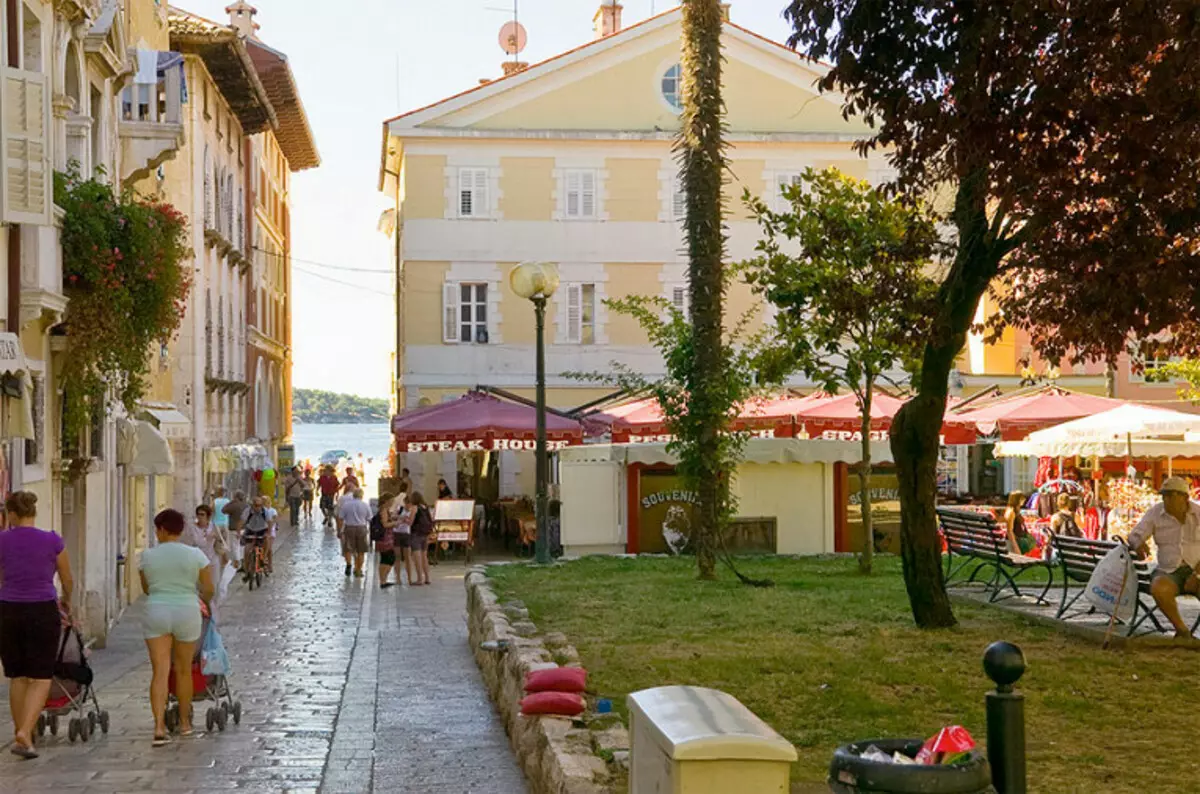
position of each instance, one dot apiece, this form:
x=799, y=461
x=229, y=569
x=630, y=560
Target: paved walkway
x=345, y=687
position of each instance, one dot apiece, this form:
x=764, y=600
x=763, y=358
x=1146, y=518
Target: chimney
x=608, y=19
x=241, y=19
x=512, y=67
x=725, y=11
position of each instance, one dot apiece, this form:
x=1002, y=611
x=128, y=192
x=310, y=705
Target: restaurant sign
x=667, y=438
x=479, y=445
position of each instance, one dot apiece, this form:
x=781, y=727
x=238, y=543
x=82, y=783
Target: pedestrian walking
x=329, y=486
x=30, y=622
x=220, y=517
x=172, y=574
x=422, y=528
x=355, y=518
x=310, y=489
x=293, y=491
x=386, y=545
x=205, y=535
x=236, y=512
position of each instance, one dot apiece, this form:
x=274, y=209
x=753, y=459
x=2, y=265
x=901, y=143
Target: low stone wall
x=585, y=755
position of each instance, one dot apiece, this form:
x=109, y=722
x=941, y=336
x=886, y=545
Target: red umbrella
x=1018, y=415
x=643, y=420
x=840, y=418
x=478, y=421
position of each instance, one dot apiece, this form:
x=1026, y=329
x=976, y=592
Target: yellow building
x=569, y=161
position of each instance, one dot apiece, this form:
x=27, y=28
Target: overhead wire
x=326, y=264
x=324, y=277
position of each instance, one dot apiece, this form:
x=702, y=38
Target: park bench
x=1078, y=558
x=975, y=539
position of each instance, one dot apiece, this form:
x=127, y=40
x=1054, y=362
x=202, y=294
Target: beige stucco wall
x=424, y=186
x=632, y=190
x=144, y=22
x=625, y=280
x=526, y=188
x=423, y=302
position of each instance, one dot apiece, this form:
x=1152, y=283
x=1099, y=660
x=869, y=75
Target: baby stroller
x=71, y=691
x=212, y=688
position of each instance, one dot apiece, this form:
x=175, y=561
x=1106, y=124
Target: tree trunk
x=916, y=429
x=867, y=557
x=701, y=153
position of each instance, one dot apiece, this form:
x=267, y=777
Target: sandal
x=160, y=741
x=23, y=751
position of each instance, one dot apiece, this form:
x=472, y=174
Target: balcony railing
x=152, y=121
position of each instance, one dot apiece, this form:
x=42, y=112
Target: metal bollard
x=1005, y=664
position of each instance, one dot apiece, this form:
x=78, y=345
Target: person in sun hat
x=1174, y=524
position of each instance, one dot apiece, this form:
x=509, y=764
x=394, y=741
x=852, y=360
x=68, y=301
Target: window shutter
x=574, y=313
x=450, y=312
x=679, y=200
x=679, y=300
x=573, y=189
x=24, y=152
x=587, y=189
x=482, y=205
x=466, y=194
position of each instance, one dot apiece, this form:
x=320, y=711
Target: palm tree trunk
x=866, y=559
x=701, y=153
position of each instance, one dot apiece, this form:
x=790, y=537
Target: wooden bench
x=976, y=539
x=1078, y=558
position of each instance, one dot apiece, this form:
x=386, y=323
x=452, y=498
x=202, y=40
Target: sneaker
x=348, y=570
x=386, y=585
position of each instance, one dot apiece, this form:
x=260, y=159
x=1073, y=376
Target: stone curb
x=557, y=754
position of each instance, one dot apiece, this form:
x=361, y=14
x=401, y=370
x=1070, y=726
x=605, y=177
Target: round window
x=672, y=87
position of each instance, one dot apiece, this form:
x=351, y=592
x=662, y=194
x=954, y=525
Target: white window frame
x=576, y=300
x=476, y=182
x=581, y=200
x=453, y=307
x=782, y=178
x=1150, y=365
x=664, y=74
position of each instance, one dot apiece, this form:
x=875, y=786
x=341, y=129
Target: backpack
x=422, y=522
x=376, y=528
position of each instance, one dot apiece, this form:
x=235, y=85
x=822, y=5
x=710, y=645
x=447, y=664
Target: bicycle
x=255, y=562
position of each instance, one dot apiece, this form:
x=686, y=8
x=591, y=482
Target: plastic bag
x=1113, y=586
x=213, y=658
x=947, y=746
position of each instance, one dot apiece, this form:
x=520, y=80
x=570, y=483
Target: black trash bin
x=850, y=773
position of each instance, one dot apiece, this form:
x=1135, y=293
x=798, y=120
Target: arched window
x=209, y=199
x=221, y=336
x=208, y=329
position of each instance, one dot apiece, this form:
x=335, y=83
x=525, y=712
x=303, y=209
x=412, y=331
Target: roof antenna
x=512, y=36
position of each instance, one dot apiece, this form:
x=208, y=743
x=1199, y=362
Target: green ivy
x=127, y=288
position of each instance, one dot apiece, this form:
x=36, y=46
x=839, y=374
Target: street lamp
x=537, y=281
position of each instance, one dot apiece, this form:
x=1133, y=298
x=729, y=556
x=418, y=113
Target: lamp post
x=537, y=281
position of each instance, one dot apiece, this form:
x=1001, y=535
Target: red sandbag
x=556, y=679
x=566, y=704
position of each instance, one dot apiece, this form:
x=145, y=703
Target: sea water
x=312, y=441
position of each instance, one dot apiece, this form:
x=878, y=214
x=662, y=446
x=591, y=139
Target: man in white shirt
x=355, y=516
x=1175, y=526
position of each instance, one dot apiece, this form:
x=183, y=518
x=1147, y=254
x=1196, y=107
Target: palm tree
x=701, y=152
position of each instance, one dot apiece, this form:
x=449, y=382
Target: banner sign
x=479, y=445
x=667, y=438
x=665, y=513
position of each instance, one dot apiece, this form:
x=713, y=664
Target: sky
x=358, y=62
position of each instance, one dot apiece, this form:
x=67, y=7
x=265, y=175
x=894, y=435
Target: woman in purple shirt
x=30, y=624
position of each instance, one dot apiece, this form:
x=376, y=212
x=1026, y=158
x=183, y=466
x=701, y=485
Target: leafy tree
x=853, y=299
x=1187, y=370
x=323, y=407
x=1068, y=134
x=701, y=151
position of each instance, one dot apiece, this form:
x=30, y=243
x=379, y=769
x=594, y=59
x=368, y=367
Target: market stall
x=792, y=498
x=483, y=447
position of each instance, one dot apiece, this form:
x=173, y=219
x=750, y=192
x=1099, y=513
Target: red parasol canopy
x=643, y=420
x=479, y=421
x=1018, y=415
x=839, y=418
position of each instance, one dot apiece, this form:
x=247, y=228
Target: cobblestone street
x=345, y=687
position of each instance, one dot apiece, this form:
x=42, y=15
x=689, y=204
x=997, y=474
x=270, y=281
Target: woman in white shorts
x=174, y=577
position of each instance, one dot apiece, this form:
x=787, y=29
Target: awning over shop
x=839, y=418
x=1017, y=415
x=1133, y=430
x=757, y=450
x=143, y=449
x=170, y=422
x=643, y=421
x=477, y=422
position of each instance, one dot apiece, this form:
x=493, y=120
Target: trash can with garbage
x=946, y=763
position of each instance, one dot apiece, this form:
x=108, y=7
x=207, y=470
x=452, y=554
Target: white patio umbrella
x=1132, y=430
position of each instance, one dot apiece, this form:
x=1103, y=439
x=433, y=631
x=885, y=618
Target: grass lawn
x=829, y=656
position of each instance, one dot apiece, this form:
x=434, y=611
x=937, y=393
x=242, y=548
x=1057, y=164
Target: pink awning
x=641, y=421
x=478, y=421
x=839, y=418
x=1016, y=416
